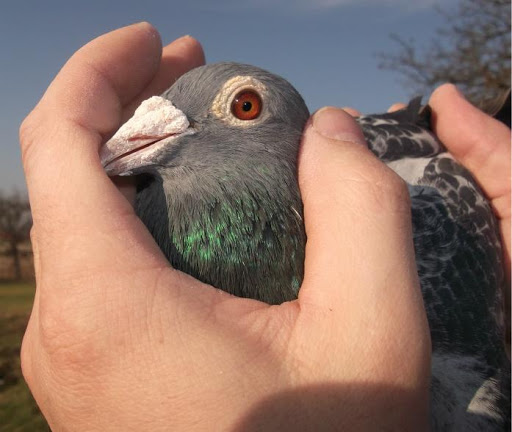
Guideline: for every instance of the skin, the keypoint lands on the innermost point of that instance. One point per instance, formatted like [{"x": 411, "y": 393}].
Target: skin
[{"x": 118, "y": 340}]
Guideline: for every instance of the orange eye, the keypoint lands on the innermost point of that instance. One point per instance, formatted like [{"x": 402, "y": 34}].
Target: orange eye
[{"x": 246, "y": 105}]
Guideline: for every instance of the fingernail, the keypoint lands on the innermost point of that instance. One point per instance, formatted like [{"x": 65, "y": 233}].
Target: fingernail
[
  {"x": 143, "y": 24},
  {"x": 184, "y": 38},
  {"x": 336, "y": 124},
  {"x": 148, "y": 27}
]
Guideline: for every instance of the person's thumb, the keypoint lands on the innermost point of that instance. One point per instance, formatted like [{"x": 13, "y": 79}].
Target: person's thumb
[{"x": 359, "y": 252}]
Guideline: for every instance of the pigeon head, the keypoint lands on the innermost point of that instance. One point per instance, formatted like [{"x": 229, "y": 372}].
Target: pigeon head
[
  {"x": 216, "y": 155},
  {"x": 219, "y": 117}
]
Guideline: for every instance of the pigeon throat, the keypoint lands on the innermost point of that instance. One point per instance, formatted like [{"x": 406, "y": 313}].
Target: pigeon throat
[{"x": 249, "y": 243}]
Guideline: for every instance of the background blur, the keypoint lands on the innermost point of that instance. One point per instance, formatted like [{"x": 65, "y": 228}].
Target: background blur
[{"x": 366, "y": 54}]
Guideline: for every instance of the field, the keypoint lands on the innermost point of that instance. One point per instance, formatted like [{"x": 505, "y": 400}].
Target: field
[{"x": 18, "y": 411}]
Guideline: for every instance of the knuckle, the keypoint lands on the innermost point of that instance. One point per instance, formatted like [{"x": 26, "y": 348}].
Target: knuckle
[
  {"x": 28, "y": 132},
  {"x": 36, "y": 128},
  {"x": 70, "y": 341}
]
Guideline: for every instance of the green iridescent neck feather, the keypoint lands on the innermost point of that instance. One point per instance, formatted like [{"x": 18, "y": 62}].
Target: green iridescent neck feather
[{"x": 247, "y": 241}]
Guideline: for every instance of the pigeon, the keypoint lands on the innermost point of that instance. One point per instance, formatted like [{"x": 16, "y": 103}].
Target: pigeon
[{"x": 215, "y": 161}]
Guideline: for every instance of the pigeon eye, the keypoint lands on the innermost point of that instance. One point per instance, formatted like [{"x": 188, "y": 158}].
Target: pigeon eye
[{"x": 246, "y": 105}]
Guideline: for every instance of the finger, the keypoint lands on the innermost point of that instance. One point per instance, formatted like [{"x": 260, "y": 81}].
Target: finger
[
  {"x": 481, "y": 144},
  {"x": 352, "y": 111},
  {"x": 484, "y": 147},
  {"x": 178, "y": 57},
  {"x": 84, "y": 103},
  {"x": 396, "y": 107},
  {"x": 75, "y": 206},
  {"x": 359, "y": 253}
]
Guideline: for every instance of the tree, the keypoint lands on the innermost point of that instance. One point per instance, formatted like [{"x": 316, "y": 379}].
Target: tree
[
  {"x": 473, "y": 52},
  {"x": 15, "y": 224}
]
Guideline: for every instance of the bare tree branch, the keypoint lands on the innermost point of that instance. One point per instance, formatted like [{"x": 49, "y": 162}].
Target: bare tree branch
[{"x": 471, "y": 51}]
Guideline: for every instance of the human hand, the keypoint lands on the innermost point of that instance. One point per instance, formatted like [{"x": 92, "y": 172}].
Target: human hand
[{"x": 118, "y": 340}]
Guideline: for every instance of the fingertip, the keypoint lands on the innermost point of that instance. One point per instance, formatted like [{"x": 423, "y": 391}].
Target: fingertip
[
  {"x": 192, "y": 45},
  {"x": 328, "y": 134},
  {"x": 445, "y": 97},
  {"x": 123, "y": 60},
  {"x": 396, "y": 107},
  {"x": 451, "y": 115},
  {"x": 446, "y": 90},
  {"x": 187, "y": 47},
  {"x": 352, "y": 111},
  {"x": 336, "y": 169},
  {"x": 177, "y": 58},
  {"x": 145, "y": 25},
  {"x": 449, "y": 106},
  {"x": 83, "y": 104},
  {"x": 355, "y": 208},
  {"x": 337, "y": 125},
  {"x": 148, "y": 28}
]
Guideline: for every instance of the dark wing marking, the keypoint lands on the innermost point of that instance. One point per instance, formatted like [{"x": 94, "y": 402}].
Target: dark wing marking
[
  {"x": 400, "y": 134},
  {"x": 458, "y": 255}
]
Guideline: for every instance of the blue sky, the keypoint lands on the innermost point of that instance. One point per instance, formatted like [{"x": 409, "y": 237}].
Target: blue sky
[{"x": 326, "y": 48}]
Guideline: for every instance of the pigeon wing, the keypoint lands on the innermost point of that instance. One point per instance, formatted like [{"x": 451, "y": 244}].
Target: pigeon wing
[{"x": 459, "y": 261}]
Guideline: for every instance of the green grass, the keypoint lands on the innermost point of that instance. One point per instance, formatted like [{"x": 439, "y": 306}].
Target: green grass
[
  {"x": 18, "y": 411},
  {"x": 16, "y": 298}
]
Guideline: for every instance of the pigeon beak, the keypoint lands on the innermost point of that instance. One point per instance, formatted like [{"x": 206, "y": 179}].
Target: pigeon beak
[{"x": 155, "y": 124}]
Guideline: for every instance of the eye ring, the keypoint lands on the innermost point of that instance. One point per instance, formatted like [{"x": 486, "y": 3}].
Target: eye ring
[{"x": 246, "y": 105}]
